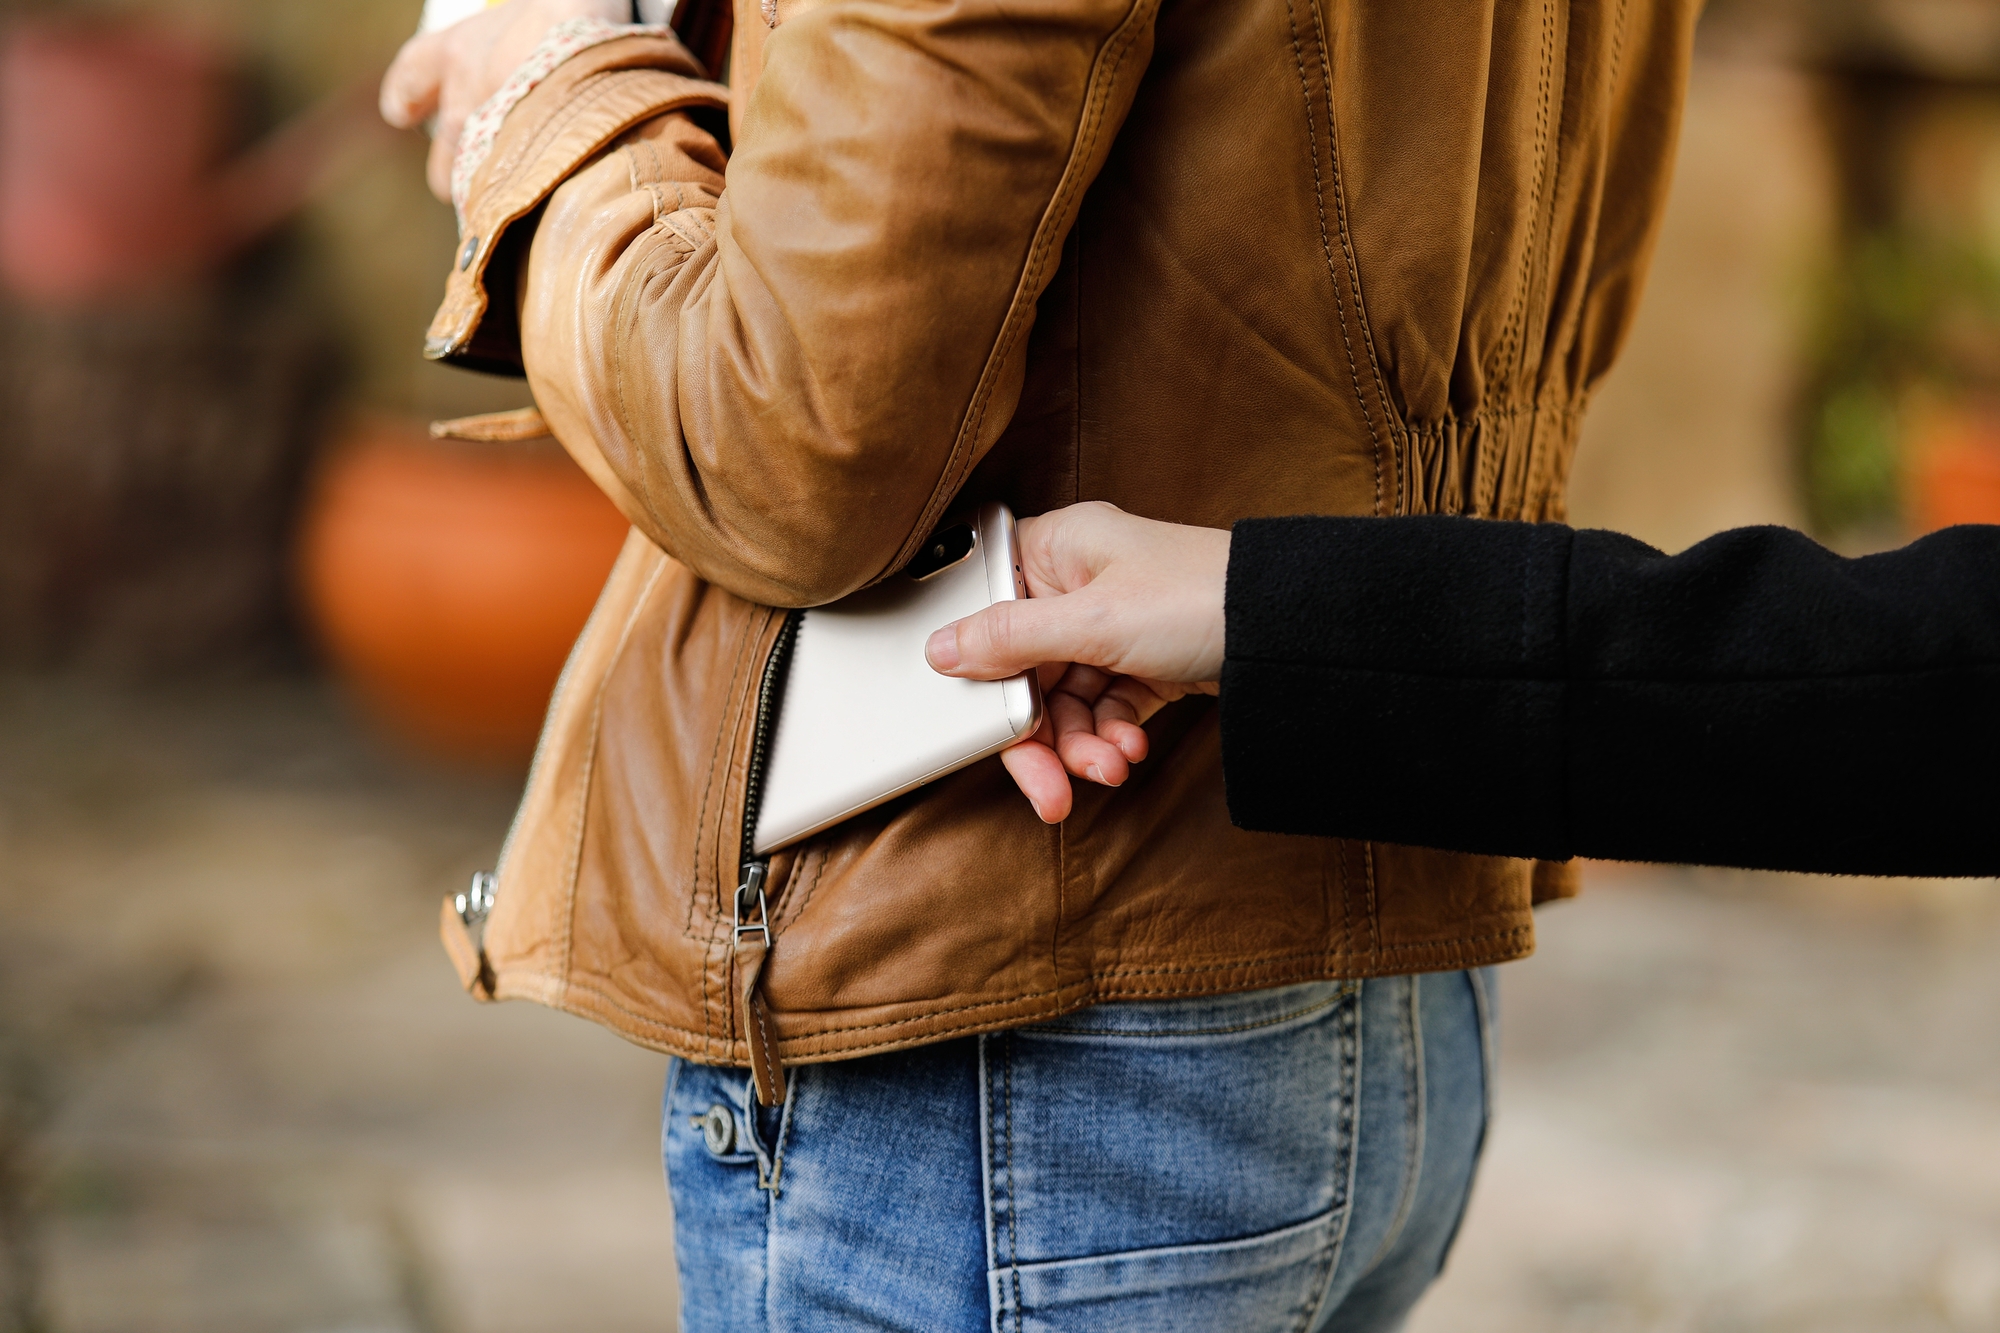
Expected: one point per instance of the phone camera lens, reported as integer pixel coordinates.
(946, 547)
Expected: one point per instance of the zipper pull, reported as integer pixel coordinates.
(476, 901)
(750, 898)
(751, 943)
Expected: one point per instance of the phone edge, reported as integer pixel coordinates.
(1006, 582)
(1022, 694)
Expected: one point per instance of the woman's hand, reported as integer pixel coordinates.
(1124, 615)
(448, 73)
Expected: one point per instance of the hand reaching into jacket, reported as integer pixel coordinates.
(1124, 616)
(449, 72)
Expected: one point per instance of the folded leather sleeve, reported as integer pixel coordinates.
(1530, 690)
(784, 383)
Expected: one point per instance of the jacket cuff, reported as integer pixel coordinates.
(1398, 680)
(564, 42)
(568, 119)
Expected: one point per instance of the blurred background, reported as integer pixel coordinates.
(271, 660)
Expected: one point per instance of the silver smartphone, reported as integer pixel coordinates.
(862, 717)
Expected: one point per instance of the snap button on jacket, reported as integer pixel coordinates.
(1204, 260)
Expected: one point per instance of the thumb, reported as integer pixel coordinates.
(414, 83)
(1009, 637)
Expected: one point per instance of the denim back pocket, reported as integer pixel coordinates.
(1174, 1165)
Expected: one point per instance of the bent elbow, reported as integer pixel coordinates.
(789, 563)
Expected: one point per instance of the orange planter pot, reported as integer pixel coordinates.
(1956, 473)
(448, 580)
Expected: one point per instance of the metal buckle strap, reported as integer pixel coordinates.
(750, 897)
(752, 946)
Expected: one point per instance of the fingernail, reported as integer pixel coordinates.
(1097, 776)
(942, 649)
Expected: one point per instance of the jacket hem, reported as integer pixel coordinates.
(847, 1041)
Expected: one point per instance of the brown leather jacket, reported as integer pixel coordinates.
(1202, 260)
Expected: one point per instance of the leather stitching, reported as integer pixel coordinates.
(769, 1059)
(1432, 948)
(1329, 852)
(731, 732)
(1533, 480)
(1550, 475)
(1076, 372)
(1488, 484)
(1374, 917)
(1344, 847)
(645, 1020)
(637, 177)
(810, 863)
(573, 871)
(1115, 49)
(624, 318)
(1618, 46)
(1517, 310)
(713, 939)
(585, 94)
(726, 731)
(1449, 952)
(505, 204)
(1326, 244)
(536, 765)
(745, 729)
(1062, 902)
(499, 206)
(1353, 264)
(1066, 187)
(1446, 955)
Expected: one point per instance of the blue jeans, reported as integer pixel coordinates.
(1287, 1159)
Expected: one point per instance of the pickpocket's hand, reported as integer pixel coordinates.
(449, 72)
(1092, 727)
(1124, 615)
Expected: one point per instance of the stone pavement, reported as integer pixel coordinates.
(268, 1105)
(239, 1089)
(1743, 1102)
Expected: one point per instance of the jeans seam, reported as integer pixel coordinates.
(1346, 989)
(1415, 1099)
(674, 1063)
(1013, 1222)
(1482, 1005)
(1348, 1127)
(986, 1143)
(997, 1165)
(1413, 1115)
(784, 1137)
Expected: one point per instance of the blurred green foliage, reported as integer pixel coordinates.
(1904, 317)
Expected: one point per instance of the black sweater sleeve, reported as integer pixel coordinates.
(1533, 690)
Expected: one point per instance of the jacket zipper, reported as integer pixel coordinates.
(750, 910)
(770, 691)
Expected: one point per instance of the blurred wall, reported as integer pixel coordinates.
(164, 412)
(1692, 431)
(377, 245)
